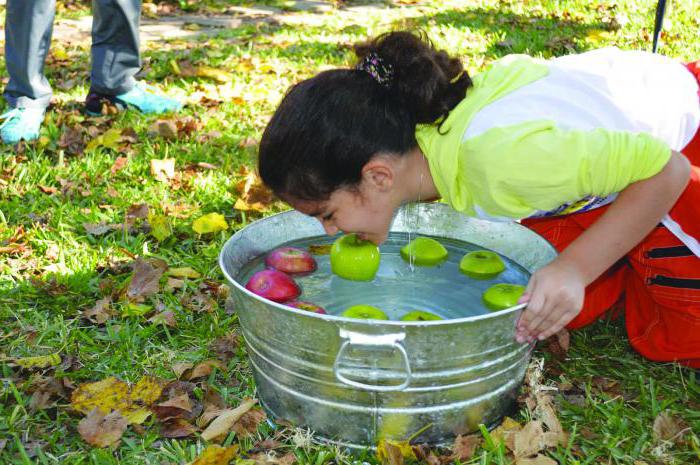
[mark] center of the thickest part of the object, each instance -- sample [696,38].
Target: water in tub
[400,287]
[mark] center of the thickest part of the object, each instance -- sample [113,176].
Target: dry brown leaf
[98,229]
[180,368]
[205,368]
[100,312]
[254,195]
[505,433]
[464,446]
[226,347]
[247,425]
[530,440]
[163,170]
[145,278]
[174,284]
[102,430]
[138,210]
[559,344]
[177,428]
[119,164]
[668,427]
[165,128]
[223,423]
[40,400]
[389,453]
[166,318]
[538,460]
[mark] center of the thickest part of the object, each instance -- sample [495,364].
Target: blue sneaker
[21,123]
[142,97]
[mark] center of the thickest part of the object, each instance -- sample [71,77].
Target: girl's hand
[555,296]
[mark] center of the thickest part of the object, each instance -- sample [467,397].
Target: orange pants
[659,278]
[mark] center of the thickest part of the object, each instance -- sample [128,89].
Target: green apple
[420,315]
[354,259]
[482,264]
[424,251]
[364,312]
[502,296]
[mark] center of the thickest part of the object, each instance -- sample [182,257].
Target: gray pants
[115,48]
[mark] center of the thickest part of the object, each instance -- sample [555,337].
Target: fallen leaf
[180,368]
[40,400]
[247,425]
[226,347]
[71,140]
[145,278]
[505,433]
[530,440]
[165,128]
[210,223]
[113,394]
[185,272]
[100,312]
[177,428]
[160,227]
[166,318]
[254,195]
[98,229]
[174,284]
[558,344]
[668,427]
[163,170]
[223,423]
[137,210]
[538,460]
[205,368]
[216,455]
[119,164]
[40,361]
[101,430]
[464,447]
[109,140]
[390,452]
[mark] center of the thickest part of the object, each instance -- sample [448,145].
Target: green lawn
[53,267]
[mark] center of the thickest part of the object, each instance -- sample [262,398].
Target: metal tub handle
[387,341]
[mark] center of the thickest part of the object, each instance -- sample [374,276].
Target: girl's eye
[328,217]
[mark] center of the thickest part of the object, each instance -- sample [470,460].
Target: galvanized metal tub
[356,381]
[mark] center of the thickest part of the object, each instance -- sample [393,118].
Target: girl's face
[367,211]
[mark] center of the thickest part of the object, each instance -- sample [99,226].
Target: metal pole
[659,23]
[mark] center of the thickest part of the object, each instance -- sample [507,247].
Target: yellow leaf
[146,391]
[160,227]
[217,75]
[175,67]
[211,223]
[41,361]
[216,455]
[597,35]
[110,140]
[134,309]
[183,273]
[114,394]
[387,449]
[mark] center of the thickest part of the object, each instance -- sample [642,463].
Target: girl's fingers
[533,309]
[555,328]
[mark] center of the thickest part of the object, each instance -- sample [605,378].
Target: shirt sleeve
[517,170]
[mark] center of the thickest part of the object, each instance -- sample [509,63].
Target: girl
[584,149]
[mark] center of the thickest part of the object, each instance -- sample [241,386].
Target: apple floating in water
[364,312]
[308,306]
[273,285]
[502,296]
[291,260]
[482,264]
[354,259]
[424,251]
[420,315]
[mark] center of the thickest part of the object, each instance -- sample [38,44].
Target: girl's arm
[555,292]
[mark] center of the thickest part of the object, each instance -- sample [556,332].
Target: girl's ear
[379,174]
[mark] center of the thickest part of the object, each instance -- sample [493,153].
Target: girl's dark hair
[328,127]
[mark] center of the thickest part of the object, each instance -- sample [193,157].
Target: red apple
[273,285]
[308,306]
[291,260]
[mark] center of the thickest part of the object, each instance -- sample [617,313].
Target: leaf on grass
[175,407]
[145,278]
[101,430]
[215,74]
[205,368]
[254,195]
[119,164]
[530,440]
[216,455]
[247,425]
[160,227]
[210,223]
[40,361]
[180,368]
[71,140]
[177,428]
[559,344]
[537,460]
[135,309]
[223,423]
[98,229]
[165,128]
[185,272]
[173,284]
[163,170]
[137,210]
[668,427]
[166,318]
[464,447]
[113,394]
[100,312]
[109,140]
[391,452]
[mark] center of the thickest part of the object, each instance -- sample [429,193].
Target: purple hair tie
[376,67]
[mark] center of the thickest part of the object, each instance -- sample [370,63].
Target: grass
[47,193]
